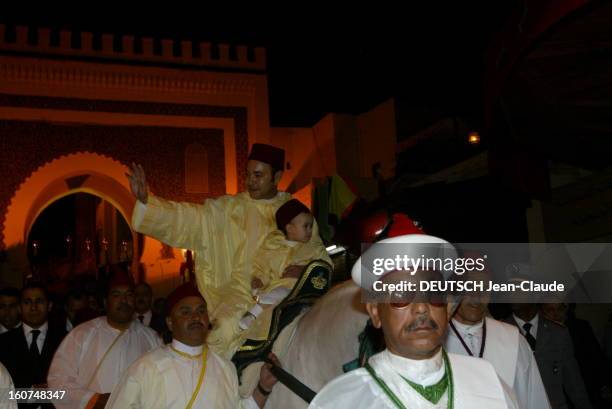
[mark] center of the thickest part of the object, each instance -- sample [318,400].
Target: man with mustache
[93,356]
[473,333]
[186,374]
[224,232]
[413,371]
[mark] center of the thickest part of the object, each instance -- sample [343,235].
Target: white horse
[316,345]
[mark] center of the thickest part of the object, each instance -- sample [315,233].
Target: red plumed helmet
[402,224]
[380,226]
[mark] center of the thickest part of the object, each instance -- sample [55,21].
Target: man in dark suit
[75,301]
[143,298]
[554,354]
[27,351]
[9,309]
[148,316]
[587,350]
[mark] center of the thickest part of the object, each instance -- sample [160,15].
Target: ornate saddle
[312,284]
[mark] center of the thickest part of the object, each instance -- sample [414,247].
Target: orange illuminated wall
[35,177]
[342,144]
[309,154]
[87,113]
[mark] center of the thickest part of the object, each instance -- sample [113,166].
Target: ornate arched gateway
[76,110]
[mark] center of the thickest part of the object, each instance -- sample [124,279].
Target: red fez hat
[119,277]
[269,154]
[288,211]
[182,291]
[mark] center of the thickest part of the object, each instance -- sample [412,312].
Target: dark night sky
[432,56]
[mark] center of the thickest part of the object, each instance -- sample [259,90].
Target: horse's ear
[372,309]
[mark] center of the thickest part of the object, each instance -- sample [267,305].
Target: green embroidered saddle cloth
[312,284]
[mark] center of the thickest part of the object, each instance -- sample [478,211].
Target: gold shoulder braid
[204,354]
[185,354]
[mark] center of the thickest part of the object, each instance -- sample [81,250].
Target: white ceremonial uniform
[475,385]
[87,362]
[6,384]
[510,355]
[167,377]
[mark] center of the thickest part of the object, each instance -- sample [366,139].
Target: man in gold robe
[247,312]
[225,232]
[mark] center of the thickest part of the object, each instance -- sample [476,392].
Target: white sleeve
[64,373]
[6,384]
[509,395]
[229,387]
[140,209]
[131,390]
[353,390]
[249,403]
[528,385]
[127,394]
[275,296]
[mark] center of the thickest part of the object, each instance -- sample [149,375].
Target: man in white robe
[92,358]
[473,334]
[413,371]
[186,374]
[6,385]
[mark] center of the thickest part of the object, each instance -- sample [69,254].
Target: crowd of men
[113,350]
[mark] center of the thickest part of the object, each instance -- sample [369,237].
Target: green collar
[432,393]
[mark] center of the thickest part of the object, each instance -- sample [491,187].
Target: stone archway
[79,172]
